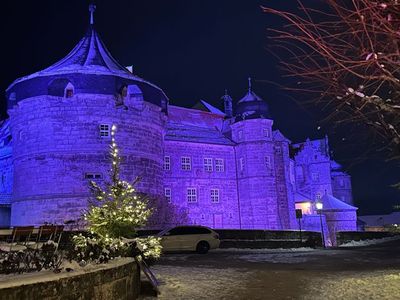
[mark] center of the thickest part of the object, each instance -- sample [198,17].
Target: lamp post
[319,206]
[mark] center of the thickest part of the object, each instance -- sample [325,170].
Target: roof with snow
[205,106]
[299,198]
[332,203]
[89,59]
[195,134]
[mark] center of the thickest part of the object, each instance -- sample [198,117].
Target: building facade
[201,165]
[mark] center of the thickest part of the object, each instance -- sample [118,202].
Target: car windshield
[161,233]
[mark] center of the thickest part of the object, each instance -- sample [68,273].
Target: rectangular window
[241,164]
[208,164]
[105,130]
[186,163]
[219,165]
[167,163]
[167,194]
[266,132]
[240,135]
[191,195]
[214,195]
[315,176]
[318,196]
[278,150]
[93,176]
[268,163]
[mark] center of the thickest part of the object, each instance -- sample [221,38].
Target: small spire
[249,84]
[92,9]
[226,92]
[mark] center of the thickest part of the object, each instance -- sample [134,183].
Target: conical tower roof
[91,69]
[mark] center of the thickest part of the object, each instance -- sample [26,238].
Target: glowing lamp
[319,205]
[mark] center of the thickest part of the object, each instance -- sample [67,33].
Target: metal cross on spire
[92,9]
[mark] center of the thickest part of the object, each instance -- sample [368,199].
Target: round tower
[61,119]
[257,160]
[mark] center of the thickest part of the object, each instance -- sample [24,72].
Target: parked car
[189,238]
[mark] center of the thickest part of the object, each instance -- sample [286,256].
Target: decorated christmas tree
[115,213]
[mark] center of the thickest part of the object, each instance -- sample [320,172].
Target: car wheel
[202,247]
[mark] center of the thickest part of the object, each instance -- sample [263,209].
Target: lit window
[191,195]
[105,130]
[266,132]
[208,164]
[167,163]
[167,194]
[240,135]
[214,195]
[186,163]
[241,164]
[93,176]
[315,176]
[268,163]
[219,165]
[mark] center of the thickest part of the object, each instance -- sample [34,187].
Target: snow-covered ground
[361,285]
[185,283]
[369,242]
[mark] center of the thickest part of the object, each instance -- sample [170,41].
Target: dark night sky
[191,49]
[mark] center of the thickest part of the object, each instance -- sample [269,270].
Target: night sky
[193,50]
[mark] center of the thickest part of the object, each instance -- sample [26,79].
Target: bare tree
[346,55]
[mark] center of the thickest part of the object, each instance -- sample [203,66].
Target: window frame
[215,195]
[105,128]
[168,195]
[208,164]
[167,163]
[191,195]
[186,163]
[219,165]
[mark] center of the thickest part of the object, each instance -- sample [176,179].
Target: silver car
[189,238]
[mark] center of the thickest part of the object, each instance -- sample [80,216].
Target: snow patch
[369,242]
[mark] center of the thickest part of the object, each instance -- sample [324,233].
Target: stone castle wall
[225,213]
[57,141]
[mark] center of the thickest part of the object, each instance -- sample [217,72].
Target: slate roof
[91,68]
[332,203]
[195,134]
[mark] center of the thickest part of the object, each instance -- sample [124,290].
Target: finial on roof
[226,92]
[92,9]
[249,84]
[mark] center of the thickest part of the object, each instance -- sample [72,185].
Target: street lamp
[319,206]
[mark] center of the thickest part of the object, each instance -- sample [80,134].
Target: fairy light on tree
[117,211]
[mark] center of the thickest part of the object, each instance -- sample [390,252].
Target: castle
[223,169]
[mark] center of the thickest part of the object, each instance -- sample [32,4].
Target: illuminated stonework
[201,165]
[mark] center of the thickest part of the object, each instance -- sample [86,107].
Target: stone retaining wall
[120,280]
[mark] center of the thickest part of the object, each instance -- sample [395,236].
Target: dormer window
[69,91]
